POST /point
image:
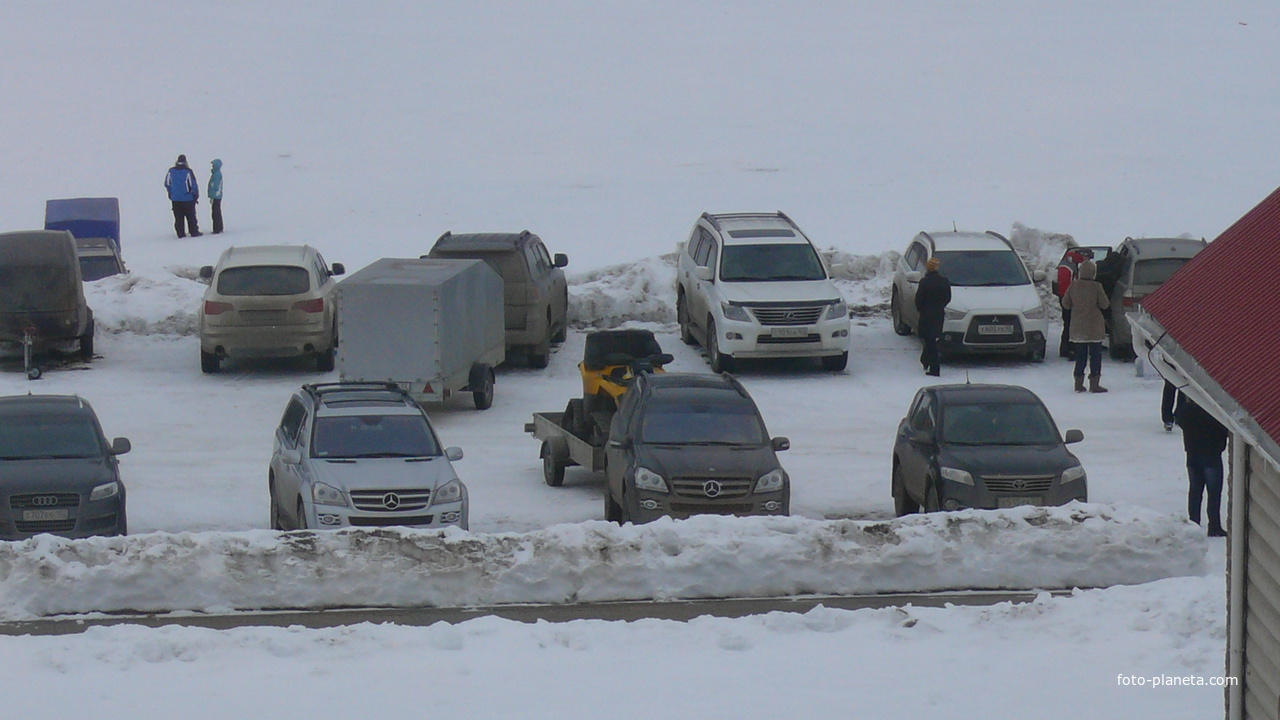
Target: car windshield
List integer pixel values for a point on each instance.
(702, 424)
(507, 264)
(37, 288)
(983, 268)
(1156, 271)
(264, 280)
(998, 423)
(96, 268)
(765, 263)
(364, 436)
(44, 438)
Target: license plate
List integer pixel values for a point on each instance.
(38, 515)
(790, 332)
(995, 329)
(1018, 500)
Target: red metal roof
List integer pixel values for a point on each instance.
(1223, 308)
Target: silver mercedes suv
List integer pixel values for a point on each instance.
(361, 455)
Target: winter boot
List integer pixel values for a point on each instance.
(1079, 383)
(1094, 387)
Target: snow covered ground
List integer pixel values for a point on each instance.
(368, 129)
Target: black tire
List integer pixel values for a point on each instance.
(483, 398)
(540, 355)
(612, 511)
(209, 362)
(1117, 353)
(836, 363)
(895, 315)
(552, 471)
(575, 418)
(563, 332)
(276, 522)
(86, 343)
(903, 504)
(931, 504)
(1036, 353)
(719, 361)
(34, 373)
(302, 516)
(682, 318)
(325, 361)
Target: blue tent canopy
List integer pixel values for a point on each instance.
(84, 217)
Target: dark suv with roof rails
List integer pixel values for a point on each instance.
(682, 444)
(58, 473)
(982, 446)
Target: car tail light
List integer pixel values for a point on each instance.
(310, 306)
(216, 308)
(1130, 301)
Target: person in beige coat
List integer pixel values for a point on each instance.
(1086, 300)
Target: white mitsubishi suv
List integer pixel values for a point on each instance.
(751, 285)
(994, 304)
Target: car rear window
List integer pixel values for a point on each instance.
(998, 423)
(702, 424)
(98, 267)
(264, 280)
(370, 436)
(56, 437)
(983, 268)
(765, 263)
(1157, 270)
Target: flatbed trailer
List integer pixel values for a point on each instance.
(561, 448)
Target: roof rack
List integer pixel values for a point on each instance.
(933, 247)
(714, 219)
(995, 234)
(319, 390)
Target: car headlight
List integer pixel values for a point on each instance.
(950, 314)
(647, 479)
(104, 491)
(1035, 313)
(449, 492)
(734, 312)
(957, 475)
(323, 494)
(837, 310)
(1072, 473)
(771, 481)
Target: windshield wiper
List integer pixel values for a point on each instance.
(48, 457)
(386, 454)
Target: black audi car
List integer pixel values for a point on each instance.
(682, 444)
(982, 446)
(58, 473)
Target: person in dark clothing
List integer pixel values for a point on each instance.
(932, 297)
(184, 191)
(1204, 439)
(1068, 270)
(1167, 399)
(215, 194)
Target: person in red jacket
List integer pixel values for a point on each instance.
(1067, 271)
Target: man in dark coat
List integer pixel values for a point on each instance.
(932, 297)
(1204, 439)
(184, 191)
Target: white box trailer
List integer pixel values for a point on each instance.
(434, 327)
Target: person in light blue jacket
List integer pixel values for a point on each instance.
(184, 191)
(215, 195)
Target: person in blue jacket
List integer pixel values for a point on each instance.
(215, 195)
(184, 191)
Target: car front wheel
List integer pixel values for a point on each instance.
(902, 503)
(895, 312)
(719, 362)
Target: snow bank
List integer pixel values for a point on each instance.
(1081, 545)
(147, 302)
(642, 291)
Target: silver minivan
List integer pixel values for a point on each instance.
(1136, 269)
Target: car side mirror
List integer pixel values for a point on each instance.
(622, 443)
(1038, 276)
(780, 443)
(120, 446)
(921, 436)
(560, 260)
(206, 272)
(1073, 436)
(291, 457)
(703, 273)
(453, 454)
(337, 269)
(914, 276)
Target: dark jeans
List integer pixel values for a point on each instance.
(1090, 353)
(1167, 399)
(184, 211)
(1066, 348)
(929, 356)
(216, 206)
(1205, 473)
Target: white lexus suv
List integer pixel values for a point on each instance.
(994, 304)
(752, 285)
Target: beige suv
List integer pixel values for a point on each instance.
(268, 301)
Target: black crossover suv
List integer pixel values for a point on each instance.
(982, 446)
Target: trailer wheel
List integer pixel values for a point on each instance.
(552, 469)
(86, 342)
(482, 386)
(34, 373)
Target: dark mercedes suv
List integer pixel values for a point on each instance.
(58, 473)
(982, 446)
(682, 444)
